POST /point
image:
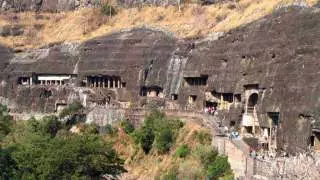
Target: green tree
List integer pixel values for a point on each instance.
(144, 137)
(87, 156)
(6, 121)
(218, 168)
(7, 164)
(164, 140)
(157, 127)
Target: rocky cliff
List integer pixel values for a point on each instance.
(276, 57)
(46, 5)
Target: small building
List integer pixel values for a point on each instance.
(53, 79)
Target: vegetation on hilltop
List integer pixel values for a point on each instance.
(193, 20)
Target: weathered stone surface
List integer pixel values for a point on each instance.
(279, 53)
(45, 5)
(14, 30)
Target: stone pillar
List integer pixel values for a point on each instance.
(118, 83)
(103, 83)
(114, 83)
(108, 83)
(96, 82)
(99, 82)
(30, 80)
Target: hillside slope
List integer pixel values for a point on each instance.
(192, 21)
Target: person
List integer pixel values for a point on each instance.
(206, 110)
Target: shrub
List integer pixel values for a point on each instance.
(203, 137)
(182, 151)
(144, 137)
(206, 154)
(127, 126)
(157, 127)
(218, 168)
(108, 10)
(91, 129)
(71, 109)
(171, 174)
(5, 121)
(164, 140)
(50, 125)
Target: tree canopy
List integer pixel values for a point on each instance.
(45, 149)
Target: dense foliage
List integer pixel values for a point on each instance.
(219, 167)
(45, 149)
(127, 126)
(5, 121)
(182, 151)
(159, 131)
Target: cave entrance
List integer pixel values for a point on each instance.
(25, 80)
(196, 81)
(211, 104)
(274, 118)
(252, 102)
(315, 140)
(192, 99)
(210, 107)
(174, 97)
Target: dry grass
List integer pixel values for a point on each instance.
(141, 166)
(193, 20)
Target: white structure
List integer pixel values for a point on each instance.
(53, 79)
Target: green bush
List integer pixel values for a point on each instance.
(47, 126)
(144, 137)
(182, 151)
(51, 125)
(218, 168)
(206, 154)
(108, 10)
(157, 127)
(6, 122)
(91, 129)
(164, 140)
(127, 126)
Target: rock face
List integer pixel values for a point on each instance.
(46, 5)
(274, 59)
